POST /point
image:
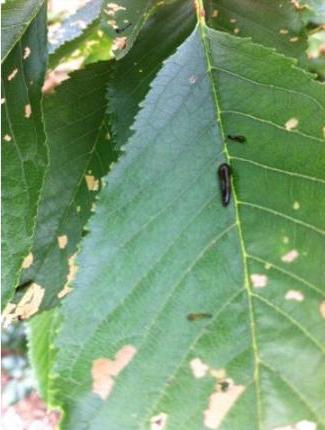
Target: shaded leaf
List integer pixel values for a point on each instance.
(163, 32)
(80, 153)
(276, 24)
(16, 16)
(24, 152)
(162, 247)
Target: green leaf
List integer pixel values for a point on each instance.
(41, 331)
(24, 152)
(275, 24)
(80, 152)
(16, 17)
(163, 32)
(181, 304)
(80, 31)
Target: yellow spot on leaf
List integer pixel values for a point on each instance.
(258, 280)
(104, 371)
(296, 206)
(7, 138)
(158, 422)
(62, 241)
(3, 100)
(233, 20)
(291, 124)
(215, 13)
(199, 369)
(294, 39)
(294, 295)
(12, 74)
(290, 256)
(236, 30)
(284, 31)
(28, 261)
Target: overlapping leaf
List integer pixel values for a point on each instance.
(81, 152)
(24, 152)
(16, 16)
(275, 24)
(195, 304)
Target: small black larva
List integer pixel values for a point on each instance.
(237, 138)
(224, 173)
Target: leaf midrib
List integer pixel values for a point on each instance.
(202, 29)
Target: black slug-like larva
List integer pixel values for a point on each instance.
(199, 316)
(120, 30)
(224, 173)
(237, 138)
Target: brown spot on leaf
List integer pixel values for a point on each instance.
(199, 369)
(290, 256)
(12, 74)
(220, 403)
(104, 371)
(62, 241)
(92, 183)
(28, 261)
(294, 295)
(27, 306)
(119, 43)
(291, 124)
(258, 280)
(158, 422)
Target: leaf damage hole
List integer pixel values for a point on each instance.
(199, 369)
(92, 183)
(62, 241)
(259, 280)
(12, 74)
(28, 261)
(26, 307)
(291, 124)
(73, 268)
(301, 425)
(27, 52)
(221, 401)
(295, 295)
(290, 256)
(7, 138)
(158, 422)
(28, 111)
(104, 371)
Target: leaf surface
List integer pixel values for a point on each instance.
(16, 16)
(80, 152)
(275, 24)
(24, 152)
(204, 295)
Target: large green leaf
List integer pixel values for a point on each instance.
(16, 17)
(276, 24)
(24, 152)
(185, 309)
(80, 152)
